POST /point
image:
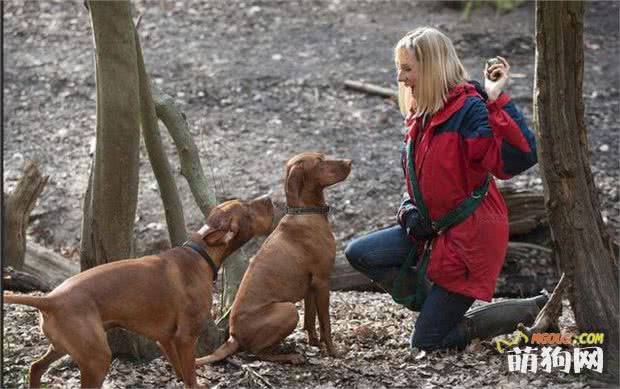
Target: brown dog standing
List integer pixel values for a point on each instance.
(165, 297)
(294, 263)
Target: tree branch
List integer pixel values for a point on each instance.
(173, 207)
(548, 316)
(191, 167)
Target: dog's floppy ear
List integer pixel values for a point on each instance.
(216, 237)
(295, 180)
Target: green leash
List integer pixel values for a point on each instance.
(454, 217)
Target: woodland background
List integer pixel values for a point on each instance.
(260, 81)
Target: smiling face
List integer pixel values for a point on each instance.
(407, 67)
(428, 67)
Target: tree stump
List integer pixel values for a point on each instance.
(17, 208)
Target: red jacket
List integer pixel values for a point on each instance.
(462, 143)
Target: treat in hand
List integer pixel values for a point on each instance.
(491, 62)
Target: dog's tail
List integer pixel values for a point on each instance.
(223, 352)
(40, 302)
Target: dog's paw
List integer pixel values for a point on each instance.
(296, 359)
(334, 352)
(314, 341)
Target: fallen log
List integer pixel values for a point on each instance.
(47, 265)
(344, 278)
(23, 282)
(370, 88)
(526, 210)
(527, 270)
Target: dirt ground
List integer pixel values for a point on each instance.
(261, 81)
(371, 331)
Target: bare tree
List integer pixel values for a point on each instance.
(111, 197)
(579, 236)
(126, 102)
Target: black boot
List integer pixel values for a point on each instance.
(407, 285)
(500, 318)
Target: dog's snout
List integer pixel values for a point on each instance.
(263, 205)
(346, 165)
(265, 201)
(345, 162)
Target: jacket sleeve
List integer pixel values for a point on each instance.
(497, 138)
(406, 203)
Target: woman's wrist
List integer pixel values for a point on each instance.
(493, 96)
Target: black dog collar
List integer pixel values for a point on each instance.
(196, 247)
(319, 209)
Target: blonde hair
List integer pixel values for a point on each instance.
(439, 70)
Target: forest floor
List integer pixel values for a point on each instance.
(261, 81)
(372, 332)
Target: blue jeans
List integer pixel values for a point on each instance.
(378, 254)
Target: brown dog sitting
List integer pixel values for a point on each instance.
(294, 263)
(165, 297)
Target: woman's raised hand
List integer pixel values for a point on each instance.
(498, 72)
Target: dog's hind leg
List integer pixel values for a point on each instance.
(169, 350)
(223, 352)
(38, 368)
(94, 368)
(271, 325)
(186, 347)
(88, 346)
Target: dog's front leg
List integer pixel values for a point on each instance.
(321, 288)
(310, 317)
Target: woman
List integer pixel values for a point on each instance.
(459, 136)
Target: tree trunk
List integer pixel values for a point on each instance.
(579, 237)
(111, 197)
(17, 208)
(173, 207)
